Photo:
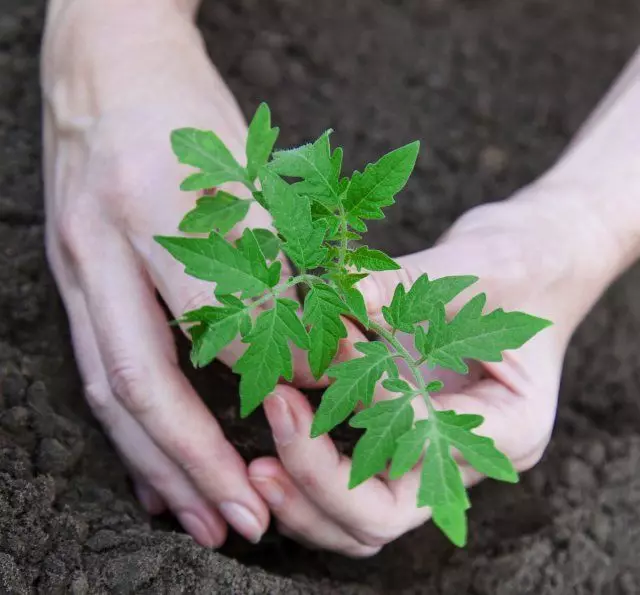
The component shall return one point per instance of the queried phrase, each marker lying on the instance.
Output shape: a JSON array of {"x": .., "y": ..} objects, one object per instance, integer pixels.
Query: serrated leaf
[
  {"x": 250, "y": 247},
  {"x": 470, "y": 335},
  {"x": 269, "y": 242},
  {"x": 204, "y": 150},
  {"x": 318, "y": 168},
  {"x": 371, "y": 260},
  {"x": 384, "y": 423},
  {"x": 441, "y": 480},
  {"x": 351, "y": 296},
  {"x": 268, "y": 356},
  {"x": 409, "y": 449},
  {"x": 394, "y": 312},
  {"x": 260, "y": 140},
  {"x": 418, "y": 304},
  {"x": 221, "y": 212},
  {"x": 355, "y": 381},
  {"x": 376, "y": 187},
  {"x": 292, "y": 216},
  {"x": 215, "y": 259},
  {"x": 215, "y": 329},
  {"x": 452, "y": 521},
  {"x": 479, "y": 451},
  {"x": 322, "y": 311}
]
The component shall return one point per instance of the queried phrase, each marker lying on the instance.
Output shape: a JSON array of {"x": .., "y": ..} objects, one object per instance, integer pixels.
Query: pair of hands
[{"x": 112, "y": 183}]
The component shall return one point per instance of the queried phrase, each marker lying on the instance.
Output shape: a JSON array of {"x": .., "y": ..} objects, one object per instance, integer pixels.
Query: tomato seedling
[{"x": 318, "y": 213}]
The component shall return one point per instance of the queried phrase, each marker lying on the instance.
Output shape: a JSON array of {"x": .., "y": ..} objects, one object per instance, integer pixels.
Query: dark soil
[{"x": 494, "y": 88}]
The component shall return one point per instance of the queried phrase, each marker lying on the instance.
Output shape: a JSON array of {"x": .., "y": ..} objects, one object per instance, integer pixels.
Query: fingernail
[
  {"x": 280, "y": 419},
  {"x": 243, "y": 520},
  {"x": 270, "y": 490},
  {"x": 195, "y": 527}
]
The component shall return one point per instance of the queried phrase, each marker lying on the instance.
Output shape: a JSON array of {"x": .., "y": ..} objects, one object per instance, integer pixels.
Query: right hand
[{"x": 111, "y": 184}]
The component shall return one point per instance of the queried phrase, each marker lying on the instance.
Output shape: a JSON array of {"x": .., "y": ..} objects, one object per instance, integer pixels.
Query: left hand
[{"x": 529, "y": 256}]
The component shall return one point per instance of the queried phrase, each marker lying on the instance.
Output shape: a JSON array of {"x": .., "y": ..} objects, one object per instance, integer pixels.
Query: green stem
[
  {"x": 344, "y": 242},
  {"x": 413, "y": 364},
  {"x": 279, "y": 289}
]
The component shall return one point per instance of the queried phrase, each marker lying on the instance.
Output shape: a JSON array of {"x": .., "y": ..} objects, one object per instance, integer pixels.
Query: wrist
[
  {"x": 579, "y": 235},
  {"x": 99, "y": 55}
]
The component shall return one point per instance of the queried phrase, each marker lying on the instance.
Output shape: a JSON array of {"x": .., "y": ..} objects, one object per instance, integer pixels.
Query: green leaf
[
  {"x": 371, "y": 260},
  {"x": 376, "y": 187},
  {"x": 221, "y": 212},
  {"x": 318, "y": 168},
  {"x": 250, "y": 247},
  {"x": 260, "y": 140},
  {"x": 409, "y": 449},
  {"x": 292, "y": 216},
  {"x": 268, "y": 356},
  {"x": 322, "y": 311},
  {"x": 397, "y": 385},
  {"x": 419, "y": 303},
  {"x": 452, "y": 521},
  {"x": 199, "y": 181},
  {"x": 215, "y": 259},
  {"x": 479, "y": 451},
  {"x": 204, "y": 150},
  {"x": 355, "y": 381},
  {"x": 394, "y": 313},
  {"x": 441, "y": 485},
  {"x": 470, "y": 335},
  {"x": 351, "y": 296},
  {"x": 269, "y": 242},
  {"x": 441, "y": 480},
  {"x": 384, "y": 423},
  {"x": 216, "y": 328}
]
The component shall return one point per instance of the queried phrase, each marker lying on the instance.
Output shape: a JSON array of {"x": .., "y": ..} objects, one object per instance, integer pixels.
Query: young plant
[{"x": 317, "y": 213}]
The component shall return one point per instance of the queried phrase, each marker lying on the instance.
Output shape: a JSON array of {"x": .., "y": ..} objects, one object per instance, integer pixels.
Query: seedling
[{"x": 318, "y": 213}]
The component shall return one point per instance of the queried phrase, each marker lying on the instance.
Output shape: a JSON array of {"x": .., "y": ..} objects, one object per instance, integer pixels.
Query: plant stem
[
  {"x": 413, "y": 364},
  {"x": 277, "y": 290},
  {"x": 344, "y": 242}
]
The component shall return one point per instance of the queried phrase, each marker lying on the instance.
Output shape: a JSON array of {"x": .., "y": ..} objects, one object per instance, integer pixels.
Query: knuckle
[
  {"x": 100, "y": 400},
  {"x": 72, "y": 231},
  {"x": 307, "y": 480},
  {"x": 128, "y": 384}
]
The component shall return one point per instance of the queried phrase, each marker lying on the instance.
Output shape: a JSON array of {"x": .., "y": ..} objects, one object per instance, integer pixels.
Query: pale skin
[{"x": 115, "y": 83}]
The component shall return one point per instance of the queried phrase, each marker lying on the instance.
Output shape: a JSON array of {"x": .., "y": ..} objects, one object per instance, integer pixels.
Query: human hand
[
  {"x": 537, "y": 253},
  {"x": 115, "y": 84}
]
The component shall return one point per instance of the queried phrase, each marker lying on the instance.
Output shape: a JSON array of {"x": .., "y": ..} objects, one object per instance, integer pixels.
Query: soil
[{"x": 495, "y": 89}]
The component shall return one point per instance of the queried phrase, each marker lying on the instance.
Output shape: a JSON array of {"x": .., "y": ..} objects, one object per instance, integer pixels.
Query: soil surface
[{"x": 494, "y": 88}]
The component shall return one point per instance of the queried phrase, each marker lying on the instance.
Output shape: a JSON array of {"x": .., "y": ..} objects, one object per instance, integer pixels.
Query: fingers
[
  {"x": 298, "y": 518},
  {"x": 137, "y": 350},
  {"x": 158, "y": 481},
  {"x": 322, "y": 474},
  {"x": 308, "y": 489}
]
